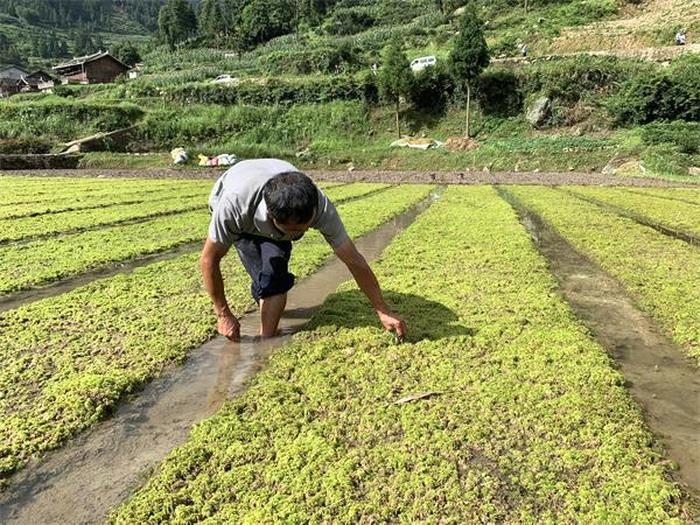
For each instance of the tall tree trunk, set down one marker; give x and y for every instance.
(466, 117)
(398, 123)
(526, 6)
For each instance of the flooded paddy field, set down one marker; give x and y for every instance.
(550, 372)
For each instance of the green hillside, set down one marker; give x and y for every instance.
(301, 87)
(35, 32)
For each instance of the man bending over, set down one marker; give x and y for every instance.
(260, 207)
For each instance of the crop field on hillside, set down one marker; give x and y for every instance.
(500, 406)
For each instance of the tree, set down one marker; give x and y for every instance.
(212, 22)
(176, 22)
(263, 20)
(98, 43)
(394, 78)
(127, 52)
(470, 55)
(83, 43)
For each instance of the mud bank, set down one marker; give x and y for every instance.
(427, 177)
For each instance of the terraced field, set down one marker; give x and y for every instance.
(501, 406)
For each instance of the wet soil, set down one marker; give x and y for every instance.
(99, 469)
(22, 298)
(443, 177)
(664, 382)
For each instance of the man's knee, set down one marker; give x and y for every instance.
(273, 284)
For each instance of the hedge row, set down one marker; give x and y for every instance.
(269, 91)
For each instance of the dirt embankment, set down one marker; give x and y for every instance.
(395, 177)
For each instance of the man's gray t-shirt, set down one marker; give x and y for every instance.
(238, 207)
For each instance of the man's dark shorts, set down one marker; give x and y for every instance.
(267, 263)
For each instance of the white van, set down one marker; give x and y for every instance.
(419, 64)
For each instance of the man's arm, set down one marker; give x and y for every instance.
(210, 265)
(367, 281)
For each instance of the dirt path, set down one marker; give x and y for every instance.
(428, 177)
(661, 379)
(655, 54)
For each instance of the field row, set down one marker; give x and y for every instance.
(689, 195)
(65, 361)
(32, 195)
(88, 201)
(661, 273)
(85, 210)
(677, 215)
(26, 190)
(523, 419)
(46, 260)
(74, 221)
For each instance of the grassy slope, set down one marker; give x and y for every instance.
(653, 23)
(532, 425)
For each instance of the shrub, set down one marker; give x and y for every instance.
(666, 95)
(30, 144)
(570, 80)
(683, 135)
(322, 59)
(271, 91)
(349, 20)
(500, 92)
(432, 88)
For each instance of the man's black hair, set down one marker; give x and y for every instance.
(291, 197)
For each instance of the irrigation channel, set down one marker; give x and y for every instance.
(658, 375)
(15, 300)
(99, 469)
(638, 218)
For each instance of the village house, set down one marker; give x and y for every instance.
(9, 77)
(98, 68)
(37, 81)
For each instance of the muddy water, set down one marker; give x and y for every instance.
(99, 469)
(660, 378)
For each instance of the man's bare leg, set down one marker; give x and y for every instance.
(271, 309)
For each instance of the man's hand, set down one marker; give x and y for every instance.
(228, 326)
(367, 281)
(393, 323)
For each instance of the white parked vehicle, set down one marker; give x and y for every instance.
(224, 79)
(420, 63)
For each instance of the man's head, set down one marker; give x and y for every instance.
(291, 199)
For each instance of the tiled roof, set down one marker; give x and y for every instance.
(88, 58)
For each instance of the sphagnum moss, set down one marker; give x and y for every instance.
(529, 422)
(65, 361)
